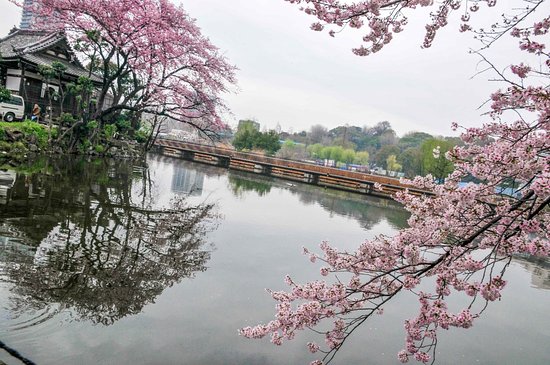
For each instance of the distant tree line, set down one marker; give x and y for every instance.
(376, 147)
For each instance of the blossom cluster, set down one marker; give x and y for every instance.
(150, 53)
(462, 237)
(384, 18)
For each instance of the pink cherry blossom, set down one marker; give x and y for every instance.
(151, 55)
(460, 238)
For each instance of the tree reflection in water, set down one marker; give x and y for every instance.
(239, 185)
(367, 210)
(92, 239)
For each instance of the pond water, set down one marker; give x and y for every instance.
(95, 268)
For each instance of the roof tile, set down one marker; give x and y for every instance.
(27, 45)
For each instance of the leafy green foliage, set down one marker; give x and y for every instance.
(92, 124)
(413, 139)
(31, 131)
(348, 155)
(292, 150)
(436, 164)
(67, 119)
(411, 162)
(338, 154)
(314, 150)
(412, 153)
(5, 94)
(58, 67)
(391, 163)
(82, 90)
(383, 153)
(123, 124)
(366, 138)
(249, 138)
(84, 146)
(334, 153)
(109, 130)
(46, 71)
(142, 135)
(99, 148)
(361, 158)
(269, 142)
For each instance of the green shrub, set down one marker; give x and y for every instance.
(18, 147)
(103, 179)
(99, 148)
(123, 124)
(142, 135)
(67, 118)
(29, 129)
(37, 130)
(109, 130)
(5, 146)
(83, 147)
(5, 94)
(92, 124)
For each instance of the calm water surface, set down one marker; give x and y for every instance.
(95, 268)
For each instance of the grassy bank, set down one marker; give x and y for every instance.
(18, 139)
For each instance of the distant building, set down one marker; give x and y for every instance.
(27, 16)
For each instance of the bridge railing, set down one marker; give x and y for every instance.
(390, 185)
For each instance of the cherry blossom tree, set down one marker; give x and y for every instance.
(385, 18)
(459, 240)
(151, 56)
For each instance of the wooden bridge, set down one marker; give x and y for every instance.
(286, 169)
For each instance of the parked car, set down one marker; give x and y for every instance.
(13, 109)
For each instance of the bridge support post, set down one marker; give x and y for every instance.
(364, 188)
(224, 161)
(188, 155)
(314, 179)
(259, 169)
(369, 189)
(309, 178)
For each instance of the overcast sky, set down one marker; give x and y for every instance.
(293, 76)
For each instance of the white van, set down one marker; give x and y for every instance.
(13, 109)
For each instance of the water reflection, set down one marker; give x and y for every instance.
(367, 210)
(240, 185)
(90, 237)
(539, 267)
(7, 179)
(187, 181)
(91, 240)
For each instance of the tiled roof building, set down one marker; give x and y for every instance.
(22, 53)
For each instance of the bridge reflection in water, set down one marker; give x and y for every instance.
(98, 256)
(286, 169)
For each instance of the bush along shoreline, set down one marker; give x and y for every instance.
(20, 141)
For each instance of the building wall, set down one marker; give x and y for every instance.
(33, 89)
(35, 92)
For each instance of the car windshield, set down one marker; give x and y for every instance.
(15, 101)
